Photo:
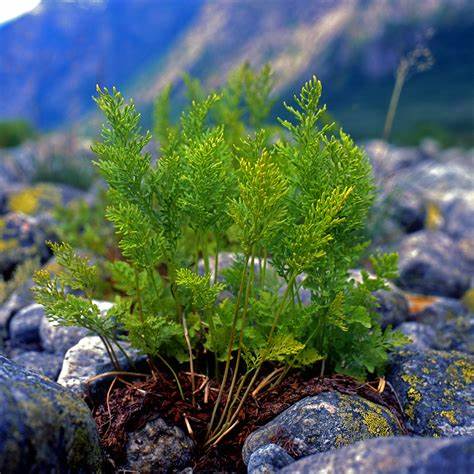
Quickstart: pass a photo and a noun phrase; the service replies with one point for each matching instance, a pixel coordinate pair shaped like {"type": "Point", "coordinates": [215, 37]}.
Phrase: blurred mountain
{"type": "Point", "coordinates": [51, 60]}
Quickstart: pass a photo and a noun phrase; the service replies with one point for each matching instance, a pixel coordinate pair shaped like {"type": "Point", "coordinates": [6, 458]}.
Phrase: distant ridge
{"type": "Point", "coordinates": [50, 62]}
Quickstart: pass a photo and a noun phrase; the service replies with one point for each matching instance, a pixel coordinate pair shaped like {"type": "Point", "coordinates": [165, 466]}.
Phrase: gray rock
{"type": "Point", "coordinates": [430, 263]}
{"type": "Point", "coordinates": [21, 238]}
{"type": "Point", "coordinates": [393, 307]}
{"type": "Point", "coordinates": [435, 389]}
{"type": "Point", "coordinates": [24, 326]}
{"type": "Point", "coordinates": [268, 460]}
{"type": "Point", "coordinates": [423, 337]}
{"type": "Point", "coordinates": [394, 455]}
{"type": "Point", "coordinates": [445, 324]}
{"type": "Point", "coordinates": [41, 363]}
{"type": "Point", "coordinates": [440, 310]}
{"type": "Point", "coordinates": [43, 427]}
{"type": "Point", "coordinates": [87, 359]}
{"type": "Point", "coordinates": [17, 300]}
{"type": "Point", "coordinates": [459, 220]}
{"type": "Point", "coordinates": [59, 339]}
{"type": "Point", "coordinates": [157, 448]}
{"type": "Point", "coordinates": [323, 422]}
{"type": "Point", "coordinates": [386, 159]}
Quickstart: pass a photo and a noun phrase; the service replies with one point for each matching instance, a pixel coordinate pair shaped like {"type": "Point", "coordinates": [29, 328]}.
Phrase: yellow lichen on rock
{"type": "Point", "coordinates": [29, 200]}
{"type": "Point", "coordinates": [450, 416]}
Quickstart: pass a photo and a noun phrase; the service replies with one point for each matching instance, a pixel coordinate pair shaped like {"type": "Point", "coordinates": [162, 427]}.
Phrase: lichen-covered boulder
{"type": "Point", "coordinates": [43, 427]}
{"type": "Point", "coordinates": [435, 389]}
{"type": "Point", "coordinates": [323, 422]}
{"type": "Point", "coordinates": [268, 460]}
{"type": "Point", "coordinates": [89, 358]}
{"type": "Point", "coordinates": [42, 363]}
{"type": "Point", "coordinates": [157, 448]}
{"type": "Point", "coordinates": [392, 455]}
{"type": "Point", "coordinates": [24, 326]}
{"type": "Point", "coordinates": [430, 263]}
{"type": "Point", "coordinates": [21, 238]}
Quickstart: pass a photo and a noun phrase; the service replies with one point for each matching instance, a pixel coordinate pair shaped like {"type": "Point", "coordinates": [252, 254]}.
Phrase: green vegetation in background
{"type": "Point", "coordinates": [291, 200]}
{"type": "Point", "coordinates": [14, 132]}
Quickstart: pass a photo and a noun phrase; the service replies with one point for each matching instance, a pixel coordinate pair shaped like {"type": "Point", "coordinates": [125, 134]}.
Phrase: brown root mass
{"type": "Point", "coordinates": [128, 406]}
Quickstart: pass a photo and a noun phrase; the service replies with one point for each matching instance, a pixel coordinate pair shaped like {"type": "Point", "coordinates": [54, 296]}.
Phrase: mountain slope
{"type": "Point", "coordinates": [51, 61]}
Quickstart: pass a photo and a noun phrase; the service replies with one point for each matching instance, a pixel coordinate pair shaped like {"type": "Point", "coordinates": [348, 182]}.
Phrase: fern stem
{"type": "Point", "coordinates": [110, 352]}
{"type": "Point", "coordinates": [241, 337]}
{"type": "Point", "coordinates": [216, 261]}
{"type": "Point", "coordinates": [175, 376]}
{"type": "Point", "coordinates": [230, 345]}
{"type": "Point", "coordinates": [191, 358]}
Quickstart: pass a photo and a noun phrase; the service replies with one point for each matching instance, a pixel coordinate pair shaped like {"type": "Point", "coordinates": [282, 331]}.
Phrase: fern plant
{"type": "Point", "coordinates": [291, 201]}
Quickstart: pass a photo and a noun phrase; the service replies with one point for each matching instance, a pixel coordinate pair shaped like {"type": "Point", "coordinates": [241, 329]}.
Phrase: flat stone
{"type": "Point", "coordinates": [87, 359]}
{"type": "Point", "coordinates": [43, 427]}
{"type": "Point", "coordinates": [435, 389]}
{"type": "Point", "coordinates": [157, 448]}
{"type": "Point", "coordinates": [392, 455]}
{"type": "Point", "coordinates": [323, 422]}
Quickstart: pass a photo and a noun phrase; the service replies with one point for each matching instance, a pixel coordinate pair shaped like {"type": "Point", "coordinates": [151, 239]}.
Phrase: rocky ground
{"type": "Point", "coordinates": [425, 212]}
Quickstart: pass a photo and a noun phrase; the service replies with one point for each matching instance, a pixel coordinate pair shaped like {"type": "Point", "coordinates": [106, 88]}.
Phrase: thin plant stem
{"type": "Point", "coordinates": [241, 337]}
{"type": "Point", "coordinates": [402, 72]}
{"type": "Point", "coordinates": [230, 345]}
{"type": "Point", "coordinates": [175, 376]}
{"type": "Point", "coordinates": [190, 352]}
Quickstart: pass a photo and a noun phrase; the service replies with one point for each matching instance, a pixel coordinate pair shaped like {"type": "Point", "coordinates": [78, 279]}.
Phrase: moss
{"type": "Point", "coordinates": [450, 416]}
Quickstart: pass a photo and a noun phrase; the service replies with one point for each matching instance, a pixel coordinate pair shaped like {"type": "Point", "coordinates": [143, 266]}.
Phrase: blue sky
{"type": "Point", "coordinates": [10, 9]}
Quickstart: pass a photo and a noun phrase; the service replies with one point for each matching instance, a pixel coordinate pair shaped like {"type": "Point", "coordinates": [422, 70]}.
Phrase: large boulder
{"type": "Point", "coordinates": [43, 427]}
{"type": "Point", "coordinates": [430, 263]}
{"type": "Point", "coordinates": [323, 422]}
{"type": "Point", "coordinates": [157, 448]}
{"type": "Point", "coordinates": [392, 455]}
{"type": "Point", "coordinates": [435, 390]}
